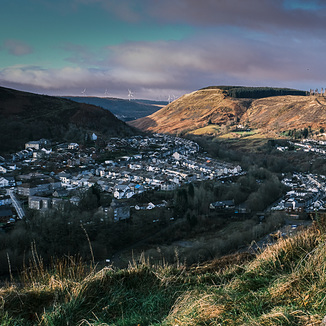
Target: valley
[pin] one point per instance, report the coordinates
(219, 192)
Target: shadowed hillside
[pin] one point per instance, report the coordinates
(123, 109)
(26, 116)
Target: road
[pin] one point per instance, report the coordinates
(16, 203)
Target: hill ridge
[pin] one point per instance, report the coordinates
(214, 106)
(27, 116)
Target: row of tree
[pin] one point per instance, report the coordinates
(260, 92)
(257, 92)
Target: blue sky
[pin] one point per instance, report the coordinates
(162, 47)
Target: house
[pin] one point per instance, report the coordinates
(38, 144)
(4, 198)
(41, 187)
(168, 186)
(33, 144)
(177, 156)
(11, 180)
(38, 203)
(121, 210)
(73, 146)
(122, 191)
(294, 205)
(64, 178)
(150, 206)
(4, 182)
(100, 171)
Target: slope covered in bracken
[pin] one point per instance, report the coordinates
(192, 111)
(27, 116)
(213, 106)
(287, 112)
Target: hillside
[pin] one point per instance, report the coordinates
(122, 109)
(194, 110)
(214, 107)
(26, 116)
(287, 112)
(284, 284)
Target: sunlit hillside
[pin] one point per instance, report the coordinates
(218, 112)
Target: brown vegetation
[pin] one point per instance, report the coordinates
(212, 106)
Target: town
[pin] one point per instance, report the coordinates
(45, 175)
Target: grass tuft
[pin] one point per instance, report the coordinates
(284, 284)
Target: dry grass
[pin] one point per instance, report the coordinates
(284, 285)
(195, 308)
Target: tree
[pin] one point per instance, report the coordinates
(191, 190)
(180, 202)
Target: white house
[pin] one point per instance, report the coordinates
(122, 191)
(73, 146)
(4, 182)
(150, 206)
(33, 144)
(177, 156)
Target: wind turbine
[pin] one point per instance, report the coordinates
(106, 93)
(130, 94)
(84, 91)
(169, 99)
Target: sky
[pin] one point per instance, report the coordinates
(160, 48)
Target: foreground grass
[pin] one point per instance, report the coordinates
(283, 285)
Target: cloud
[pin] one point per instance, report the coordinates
(163, 67)
(16, 47)
(260, 15)
(266, 15)
(208, 58)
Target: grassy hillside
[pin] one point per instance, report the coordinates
(193, 111)
(284, 284)
(123, 109)
(217, 110)
(26, 116)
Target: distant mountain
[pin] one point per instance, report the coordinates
(27, 116)
(123, 109)
(268, 109)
